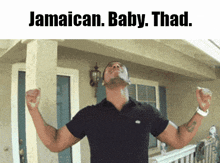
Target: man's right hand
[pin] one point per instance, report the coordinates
(204, 97)
(33, 99)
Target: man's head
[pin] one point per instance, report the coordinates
(115, 72)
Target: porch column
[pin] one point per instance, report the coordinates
(41, 69)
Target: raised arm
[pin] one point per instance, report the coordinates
(179, 137)
(55, 140)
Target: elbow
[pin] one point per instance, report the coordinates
(179, 145)
(52, 147)
(54, 150)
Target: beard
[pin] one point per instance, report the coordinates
(117, 81)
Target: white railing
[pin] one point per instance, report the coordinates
(184, 154)
(190, 154)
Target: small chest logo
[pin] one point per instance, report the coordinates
(138, 122)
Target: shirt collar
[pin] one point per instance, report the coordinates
(108, 105)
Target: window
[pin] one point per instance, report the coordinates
(147, 92)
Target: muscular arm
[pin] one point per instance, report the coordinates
(181, 136)
(55, 140)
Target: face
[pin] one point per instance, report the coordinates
(116, 71)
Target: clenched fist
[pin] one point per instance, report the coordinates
(33, 99)
(204, 97)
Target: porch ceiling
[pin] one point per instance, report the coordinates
(12, 51)
(176, 56)
(190, 50)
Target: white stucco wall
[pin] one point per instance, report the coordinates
(182, 105)
(5, 114)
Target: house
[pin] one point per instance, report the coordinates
(61, 68)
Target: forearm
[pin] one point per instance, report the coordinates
(188, 130)
(46, 133)
(178, 137)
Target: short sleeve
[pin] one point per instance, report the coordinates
(77, 125)
(159, 122)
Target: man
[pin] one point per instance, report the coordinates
(117, 128)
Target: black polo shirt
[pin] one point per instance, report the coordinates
(118, 136)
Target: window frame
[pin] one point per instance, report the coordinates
(155, 84)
